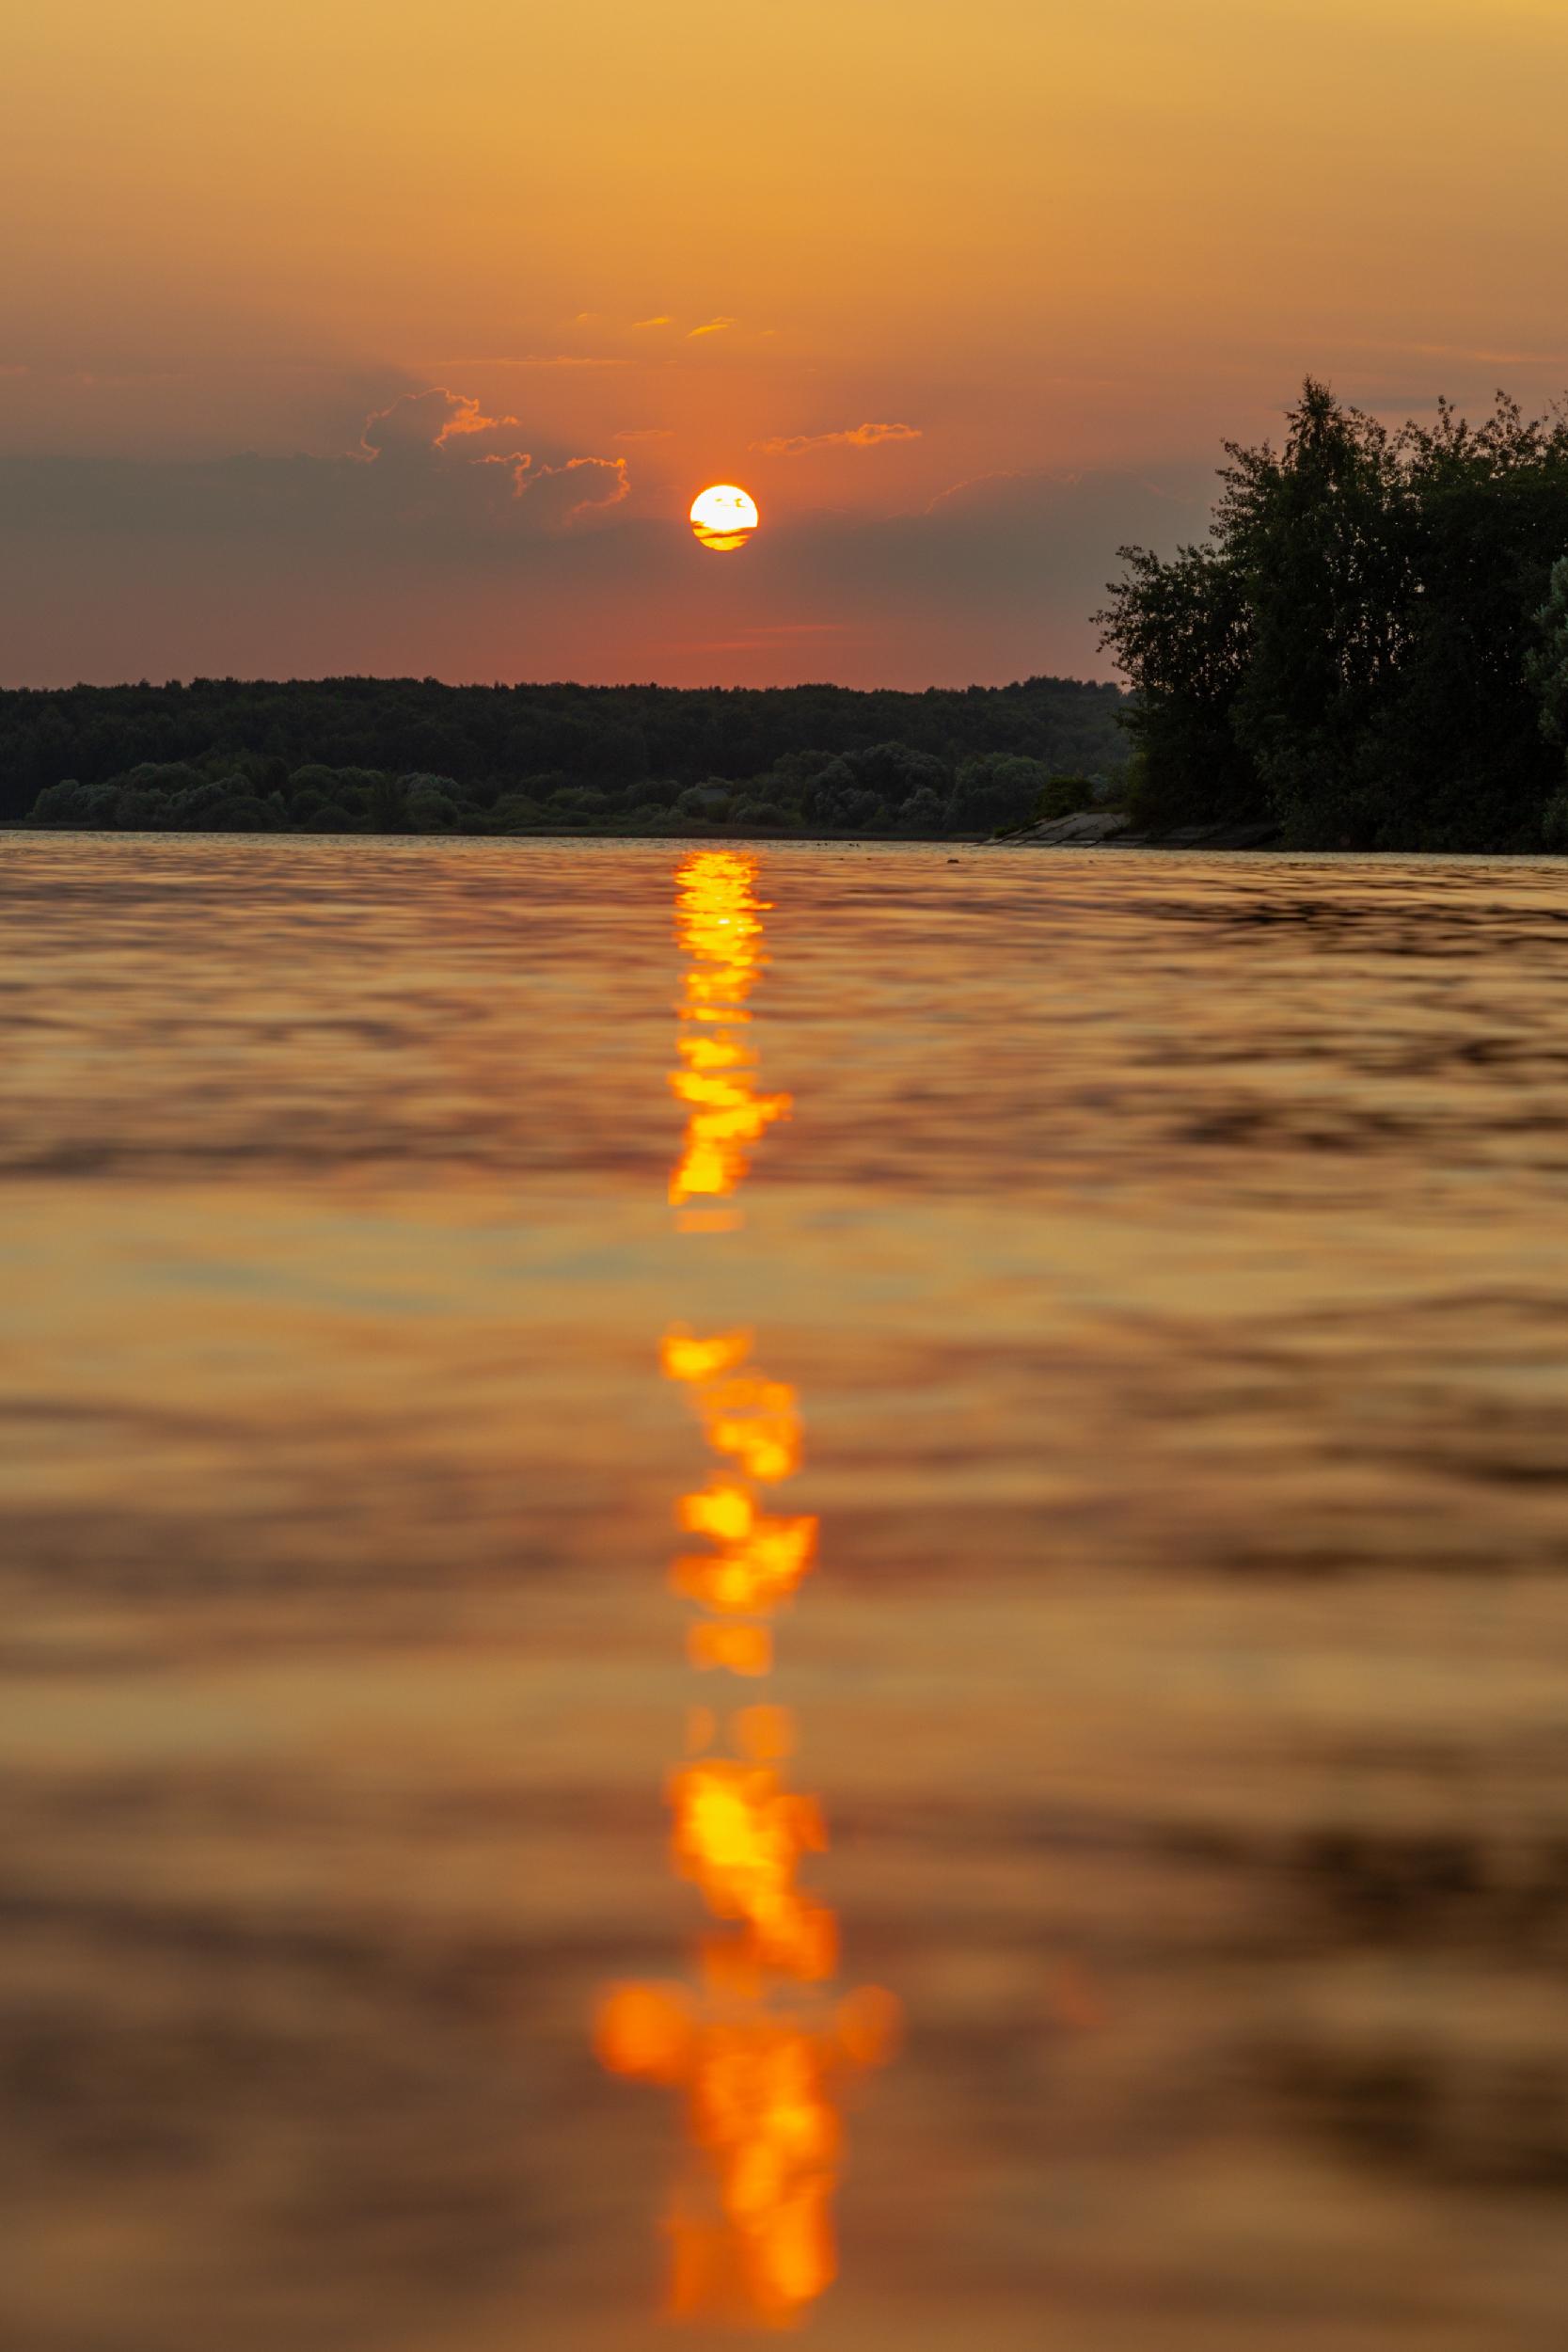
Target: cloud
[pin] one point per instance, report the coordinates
(442, 443)
(418, 424)
(663, 320)
(1462, 351)
(468, 419)
(766, 641)
(534, 360)
(762, 633)
(995, 490)
(1007, 493)
(712, 327)
(772, 633)
(854, 437)
(559, 496)
(431, 471)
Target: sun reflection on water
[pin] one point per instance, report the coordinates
(756, 2039)
(719, 920)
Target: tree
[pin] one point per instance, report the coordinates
(1321, 535)
(1352, 653)
(1182, 630)
(1546, 668)
(1547, 672)
(334, 738)
(997, 791)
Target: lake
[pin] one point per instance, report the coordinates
(818, 1585)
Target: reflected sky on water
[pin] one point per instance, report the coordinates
(1164, 1257)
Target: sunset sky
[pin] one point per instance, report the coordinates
(964, 292)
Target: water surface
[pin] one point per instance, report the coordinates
(1167, 1255)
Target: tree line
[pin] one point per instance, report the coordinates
(1371, 649)
(367, 754)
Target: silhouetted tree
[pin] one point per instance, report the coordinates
(1353, 651)
(1546, 668)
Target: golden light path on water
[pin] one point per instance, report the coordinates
(756, 2039)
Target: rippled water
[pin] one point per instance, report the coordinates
(1166, 1258)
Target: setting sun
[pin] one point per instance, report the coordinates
(723, 517)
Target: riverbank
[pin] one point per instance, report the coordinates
(1109, 827)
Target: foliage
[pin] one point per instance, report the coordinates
(998, 790)
(1548, 664)
(1358, 650)
(413, 756)
(1181, 630)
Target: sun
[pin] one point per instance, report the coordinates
(723, 517)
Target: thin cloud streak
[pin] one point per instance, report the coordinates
(762, 634)
(538, 359)
(1031, 476)
(854, 437)
(1462, 351)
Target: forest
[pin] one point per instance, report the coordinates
(415, 756)
(1371, 648)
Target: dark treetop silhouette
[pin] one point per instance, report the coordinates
(404, 754)
(1371, 647)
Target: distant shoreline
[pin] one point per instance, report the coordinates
(1135, 843)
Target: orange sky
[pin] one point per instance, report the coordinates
(1055, 249)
